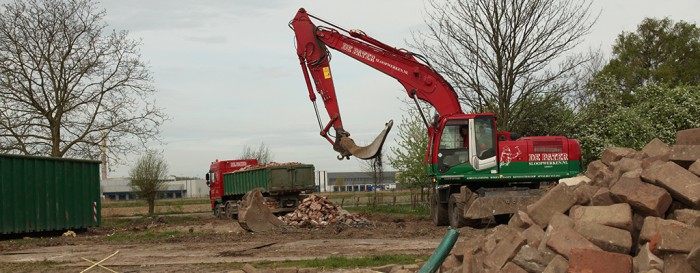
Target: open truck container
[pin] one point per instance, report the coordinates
(272, 179)
(48, 194)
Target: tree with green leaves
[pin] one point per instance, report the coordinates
(660, 51)
(657, 111)
(69, 84)
(499, 54)
(409, 154)
(262, 153)
(147, 177)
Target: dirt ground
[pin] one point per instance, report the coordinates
(200, 243)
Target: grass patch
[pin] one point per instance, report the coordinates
(334, 262)
(40, 266)
(147, 236)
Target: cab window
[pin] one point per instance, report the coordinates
(453, 145)
(485, 136)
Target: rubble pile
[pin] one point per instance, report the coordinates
(271, 164)
(633, 211)
(318, 211)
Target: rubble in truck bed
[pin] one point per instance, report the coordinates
(633, 211)
(271, 164)
(316, 211)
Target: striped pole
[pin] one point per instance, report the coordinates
(94, 211)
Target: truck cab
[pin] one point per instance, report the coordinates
(215, 176)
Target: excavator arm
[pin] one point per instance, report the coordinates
(419, 80)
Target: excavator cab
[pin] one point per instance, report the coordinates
(466, 145)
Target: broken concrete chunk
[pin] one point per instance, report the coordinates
(646, 260)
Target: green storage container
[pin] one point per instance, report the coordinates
(272, 179)
(48, 194)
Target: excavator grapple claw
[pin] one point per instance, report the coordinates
(370, 151)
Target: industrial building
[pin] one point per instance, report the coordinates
(120, 189)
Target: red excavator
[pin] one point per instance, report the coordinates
(477, 172)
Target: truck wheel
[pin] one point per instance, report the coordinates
(219, 211)
(438, 211)
(455, 210)
(230, 211)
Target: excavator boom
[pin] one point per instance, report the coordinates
(419, 80)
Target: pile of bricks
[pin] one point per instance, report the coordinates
(319, 211)
(633, 211)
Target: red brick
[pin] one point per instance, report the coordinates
(617, 215)
(695, 168)
(450, 262)
(584, 193)
(678, 263)
(602, 197)
(563, 239)
(607, 238)
(657, 148)
(688, 216)
(512, 268)
(685, 155)
(504, 250)
(558, 265)
(558, 199)
(688, 137)
(643, 197)
(669, 236)
(694, 258)
(532, 260)
(520, 220)
(683, 185)
(533, 236)
(588, 261)
(594, 168)
(612, 154)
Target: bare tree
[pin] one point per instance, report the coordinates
(262, 153)
(66, 84)
(498, 53)
(375, 169)
(147, 177)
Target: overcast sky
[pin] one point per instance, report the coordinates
(227, 72)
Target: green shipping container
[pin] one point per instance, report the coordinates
(48, 194)
(272, 179)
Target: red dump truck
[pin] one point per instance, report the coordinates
(281, 184)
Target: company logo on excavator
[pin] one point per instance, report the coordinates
(359, 52)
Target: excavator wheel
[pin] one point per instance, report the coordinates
(455, 211)
(438, 211)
